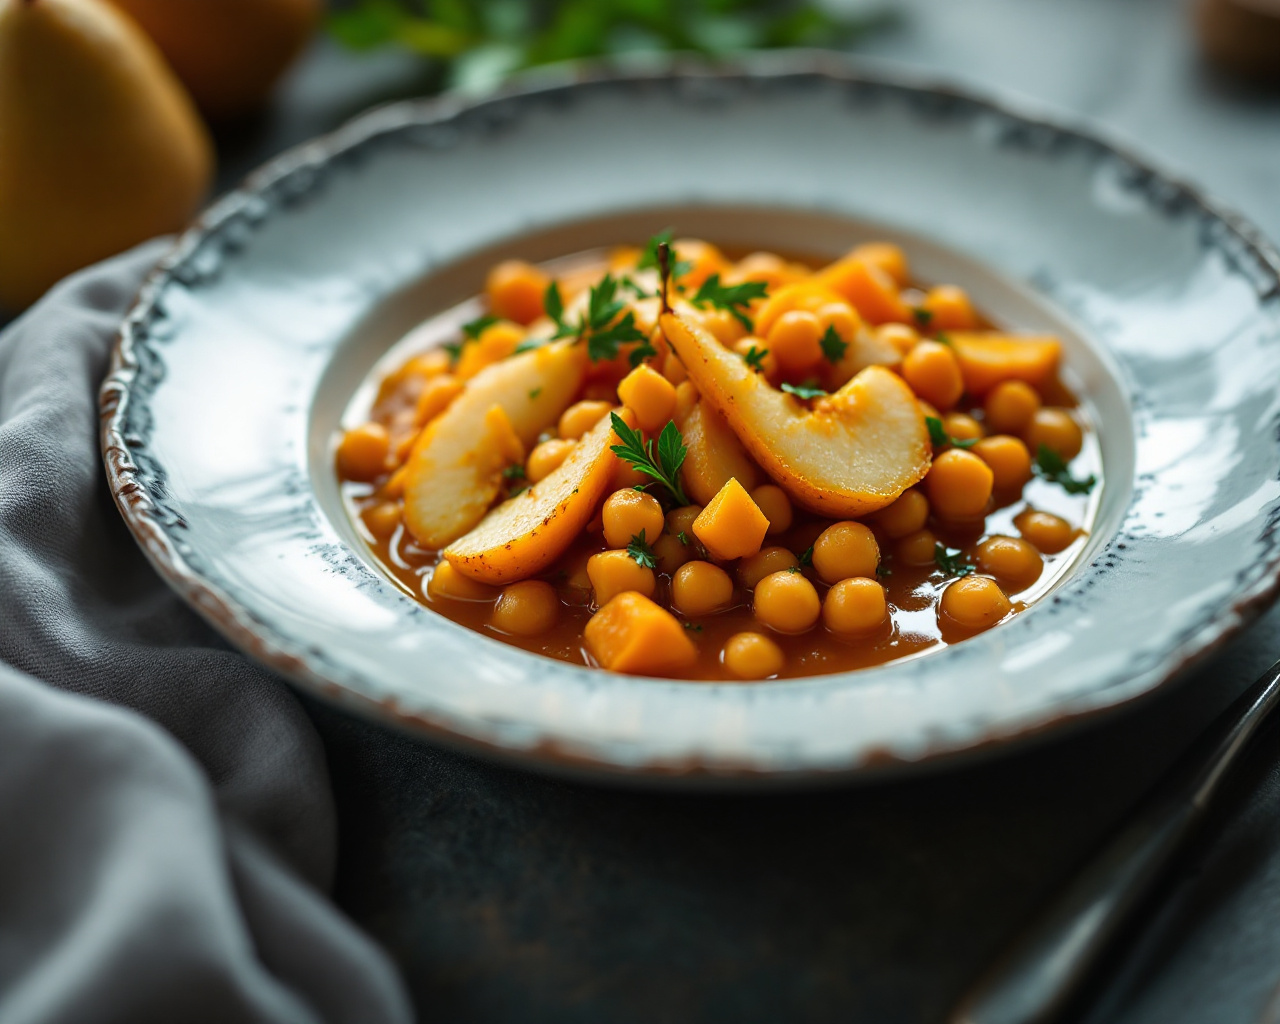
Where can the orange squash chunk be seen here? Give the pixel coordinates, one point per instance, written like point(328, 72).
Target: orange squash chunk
point(732, 525)
point(632, 634)
point(872, 291)
point(987, 358)
point(525, 534)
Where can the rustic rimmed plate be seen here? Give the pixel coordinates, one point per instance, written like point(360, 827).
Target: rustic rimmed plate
point(234, 369)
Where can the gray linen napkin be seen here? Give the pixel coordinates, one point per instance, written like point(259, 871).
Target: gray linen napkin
point(162, 859)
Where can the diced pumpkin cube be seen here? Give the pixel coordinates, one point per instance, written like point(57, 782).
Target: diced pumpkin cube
point(632, 634)
point(987, 358)
point(872, 291)
point(732, 525)
point(650, 396)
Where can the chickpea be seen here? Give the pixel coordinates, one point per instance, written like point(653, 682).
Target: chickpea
point(629, 513)
point(765, 562)
point(795, 341)
point(844, 550)
point(917, 548)
point(700, 588)
point(680, 520)
point(974, 602)
point(787, 602)
point(1010, 406)
point(363, 451)
point(1011, 559)
point(723, 325)
point(1009, 460)
point(447, 583)
point(515, 291)
point(854, 606)
point(1057, 430)
point(962, 426)
point(383, 519)
point(772, 500)
point(612, 572)
point(905, 516)
point(932, 371)
point(1049, 533)
point(752, 656)
point(527, 608)
point(671, 553)
point(841, 317)
point(950, 308)
point(582, 416)
point(545, 459)
point(650, 396)
point(903, 337)
point(959, 484)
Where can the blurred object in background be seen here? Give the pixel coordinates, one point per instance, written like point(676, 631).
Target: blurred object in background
point(1242, 37)
point(228, 53)
point(102, 146)
point(475, 43)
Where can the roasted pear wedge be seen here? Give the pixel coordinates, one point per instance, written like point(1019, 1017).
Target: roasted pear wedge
point(454, 474)
point(525, 534)
point(854, 452)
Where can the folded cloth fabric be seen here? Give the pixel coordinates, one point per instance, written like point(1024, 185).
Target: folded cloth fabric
point(164, 848)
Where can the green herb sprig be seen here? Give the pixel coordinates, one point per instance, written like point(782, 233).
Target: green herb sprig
point(475, 328)
point(661, 461)
point(805, 391)
point(953, 563)
point(641, 552)
point(940, 438)
point(733, 297)
point(833, 346)
point(649, 258)
point(597, 325)
point(1051, 467)
point(755, 358)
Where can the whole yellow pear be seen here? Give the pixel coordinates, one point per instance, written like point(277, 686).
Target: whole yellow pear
point(100, 147)
point(229, 53)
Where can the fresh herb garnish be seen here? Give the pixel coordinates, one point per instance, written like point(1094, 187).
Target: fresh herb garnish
point(631, 286)
point(519, 491)
point(529, 344)
point(454, 348)
point(1050, 466)
point(692, 627)
point(794, 568)
point(734, 297)
point(597, 326)
point(833, 346)
point(514, 472)
point(807, 557)
point(683, 538)
point(662, 463)
point(923, 316)
point(940, 438)
point(475, 328)
point(943, 339)
point(755, 358)
point(534, 393)
point(649, 258)
point(952, 563)
point(883, 570)
point(805, 391)
point(640, 353)
point(640, 551)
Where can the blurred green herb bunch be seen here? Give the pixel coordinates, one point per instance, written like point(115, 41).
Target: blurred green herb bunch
point(476, 43)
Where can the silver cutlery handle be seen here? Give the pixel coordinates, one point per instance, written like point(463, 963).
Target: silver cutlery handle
point(1043, 969)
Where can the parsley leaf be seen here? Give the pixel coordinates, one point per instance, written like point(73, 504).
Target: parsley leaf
point(883, 571)
point(649, 258)
point(475, 328)
point(454, 348)
point(597, 326)
point(755, 358)
point(529, 344)
point(805, 391)
point(1049, 465)
point(794, 569)
point(952, 563)
point(534, 393)
point(640, 353)
point(683, 538)
point(692, 627)
point(942, 339)
point(603, 343)
point(553, 303)
point(735, 297)
point(663, 465)
point(940, 438)
point(807, 557)
point(636, 290)
point(639, 550)
point(514, 472)
point(923, 316)
point(833, 346)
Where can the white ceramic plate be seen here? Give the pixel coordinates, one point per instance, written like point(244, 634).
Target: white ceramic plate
point(235, 367)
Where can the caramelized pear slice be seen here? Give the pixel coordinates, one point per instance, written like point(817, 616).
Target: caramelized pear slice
point(854, 452)
point(525, 534)
point(454, 473)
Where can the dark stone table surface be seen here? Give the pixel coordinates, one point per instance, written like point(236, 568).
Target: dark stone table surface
point(507, 896)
